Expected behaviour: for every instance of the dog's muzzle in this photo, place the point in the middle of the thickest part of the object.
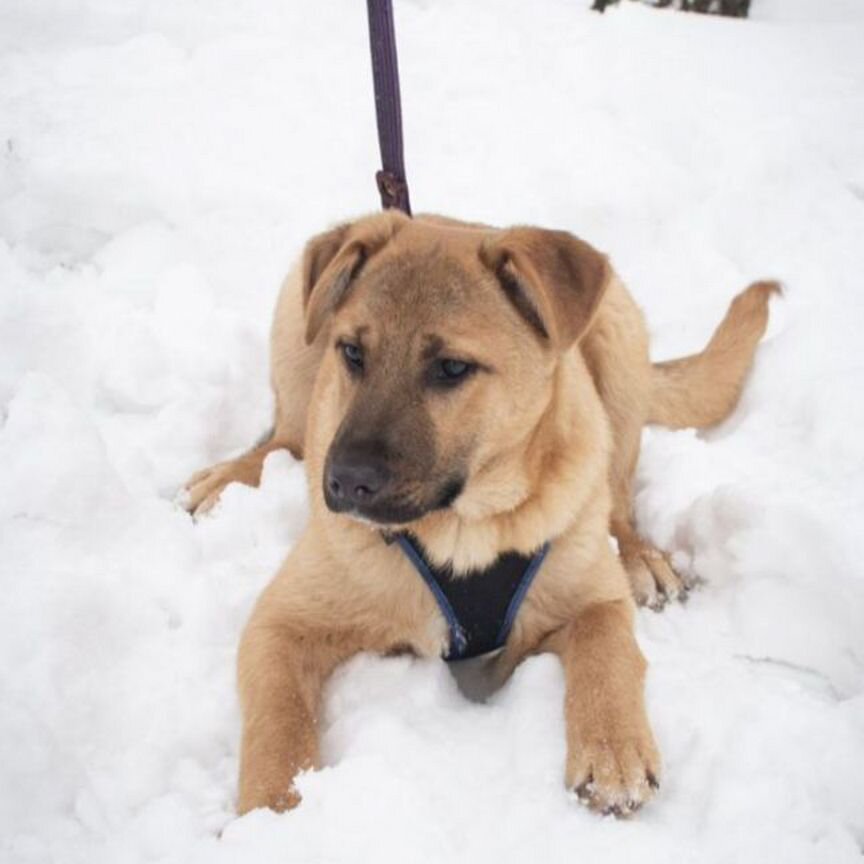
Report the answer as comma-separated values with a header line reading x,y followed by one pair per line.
x,y
365,487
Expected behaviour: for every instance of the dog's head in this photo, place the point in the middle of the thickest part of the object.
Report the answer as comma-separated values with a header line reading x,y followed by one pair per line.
x,y
442,341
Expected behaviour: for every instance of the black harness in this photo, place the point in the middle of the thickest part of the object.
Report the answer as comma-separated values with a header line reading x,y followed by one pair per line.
x,y
481,606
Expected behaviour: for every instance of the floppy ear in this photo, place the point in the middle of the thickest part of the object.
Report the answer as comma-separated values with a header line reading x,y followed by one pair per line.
x,y
332,260
555,280
328,267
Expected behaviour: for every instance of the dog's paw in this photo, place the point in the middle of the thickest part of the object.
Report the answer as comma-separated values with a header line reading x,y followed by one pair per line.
x,y
615,777
277,799
202,490
653,580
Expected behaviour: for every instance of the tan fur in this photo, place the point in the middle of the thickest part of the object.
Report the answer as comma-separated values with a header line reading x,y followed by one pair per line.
x,y
703,389
547,435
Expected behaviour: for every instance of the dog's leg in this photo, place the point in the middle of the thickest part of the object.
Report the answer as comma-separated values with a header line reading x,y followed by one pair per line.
x,y
653,580
281,675
612,760
204,487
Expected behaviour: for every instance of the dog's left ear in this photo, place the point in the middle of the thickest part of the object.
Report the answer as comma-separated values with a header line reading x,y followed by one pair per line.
x,y
333,260
555,280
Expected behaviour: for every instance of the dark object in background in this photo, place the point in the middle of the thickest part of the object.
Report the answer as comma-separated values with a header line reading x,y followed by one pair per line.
x,y
728,8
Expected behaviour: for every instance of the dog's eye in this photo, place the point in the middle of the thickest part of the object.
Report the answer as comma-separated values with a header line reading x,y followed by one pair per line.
x,y
353,355
454,368
449,373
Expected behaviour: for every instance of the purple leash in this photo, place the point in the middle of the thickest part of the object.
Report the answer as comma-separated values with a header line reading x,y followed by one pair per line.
x,y
385,74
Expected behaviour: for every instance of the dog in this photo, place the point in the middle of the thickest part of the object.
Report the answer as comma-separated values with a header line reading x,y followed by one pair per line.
x,y
471,394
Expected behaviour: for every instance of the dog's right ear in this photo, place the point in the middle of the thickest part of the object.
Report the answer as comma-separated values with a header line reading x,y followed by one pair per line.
x,y
332,261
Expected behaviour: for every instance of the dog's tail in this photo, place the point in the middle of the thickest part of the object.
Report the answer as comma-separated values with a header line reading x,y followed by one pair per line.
x,y
703,389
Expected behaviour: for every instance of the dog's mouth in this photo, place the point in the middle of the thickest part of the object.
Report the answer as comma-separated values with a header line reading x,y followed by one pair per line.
x,y
392,509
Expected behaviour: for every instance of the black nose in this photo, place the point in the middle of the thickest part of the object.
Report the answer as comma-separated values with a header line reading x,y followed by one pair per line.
x,y
353,483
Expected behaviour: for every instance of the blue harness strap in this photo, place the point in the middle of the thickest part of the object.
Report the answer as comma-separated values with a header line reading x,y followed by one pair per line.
x,y
481,606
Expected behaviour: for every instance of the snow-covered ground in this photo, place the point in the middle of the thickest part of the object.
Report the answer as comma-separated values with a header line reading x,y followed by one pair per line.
x,y
163,163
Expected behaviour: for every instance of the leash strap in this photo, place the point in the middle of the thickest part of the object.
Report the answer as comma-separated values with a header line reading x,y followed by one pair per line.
x,y
388,109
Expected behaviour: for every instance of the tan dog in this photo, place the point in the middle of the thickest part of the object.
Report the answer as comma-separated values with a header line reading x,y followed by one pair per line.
x,y
485,390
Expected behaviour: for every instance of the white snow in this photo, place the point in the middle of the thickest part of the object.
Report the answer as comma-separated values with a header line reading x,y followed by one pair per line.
x,y
163,163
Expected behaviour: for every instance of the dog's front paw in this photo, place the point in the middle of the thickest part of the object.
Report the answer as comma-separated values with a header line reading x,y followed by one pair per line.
x,y
203,488
615,777
278,799
653,580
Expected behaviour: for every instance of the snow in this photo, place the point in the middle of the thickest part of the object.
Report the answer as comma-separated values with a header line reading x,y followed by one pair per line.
x,y
162,166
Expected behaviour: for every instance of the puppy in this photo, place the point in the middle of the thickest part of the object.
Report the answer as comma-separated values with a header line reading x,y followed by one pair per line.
x,y
477,396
